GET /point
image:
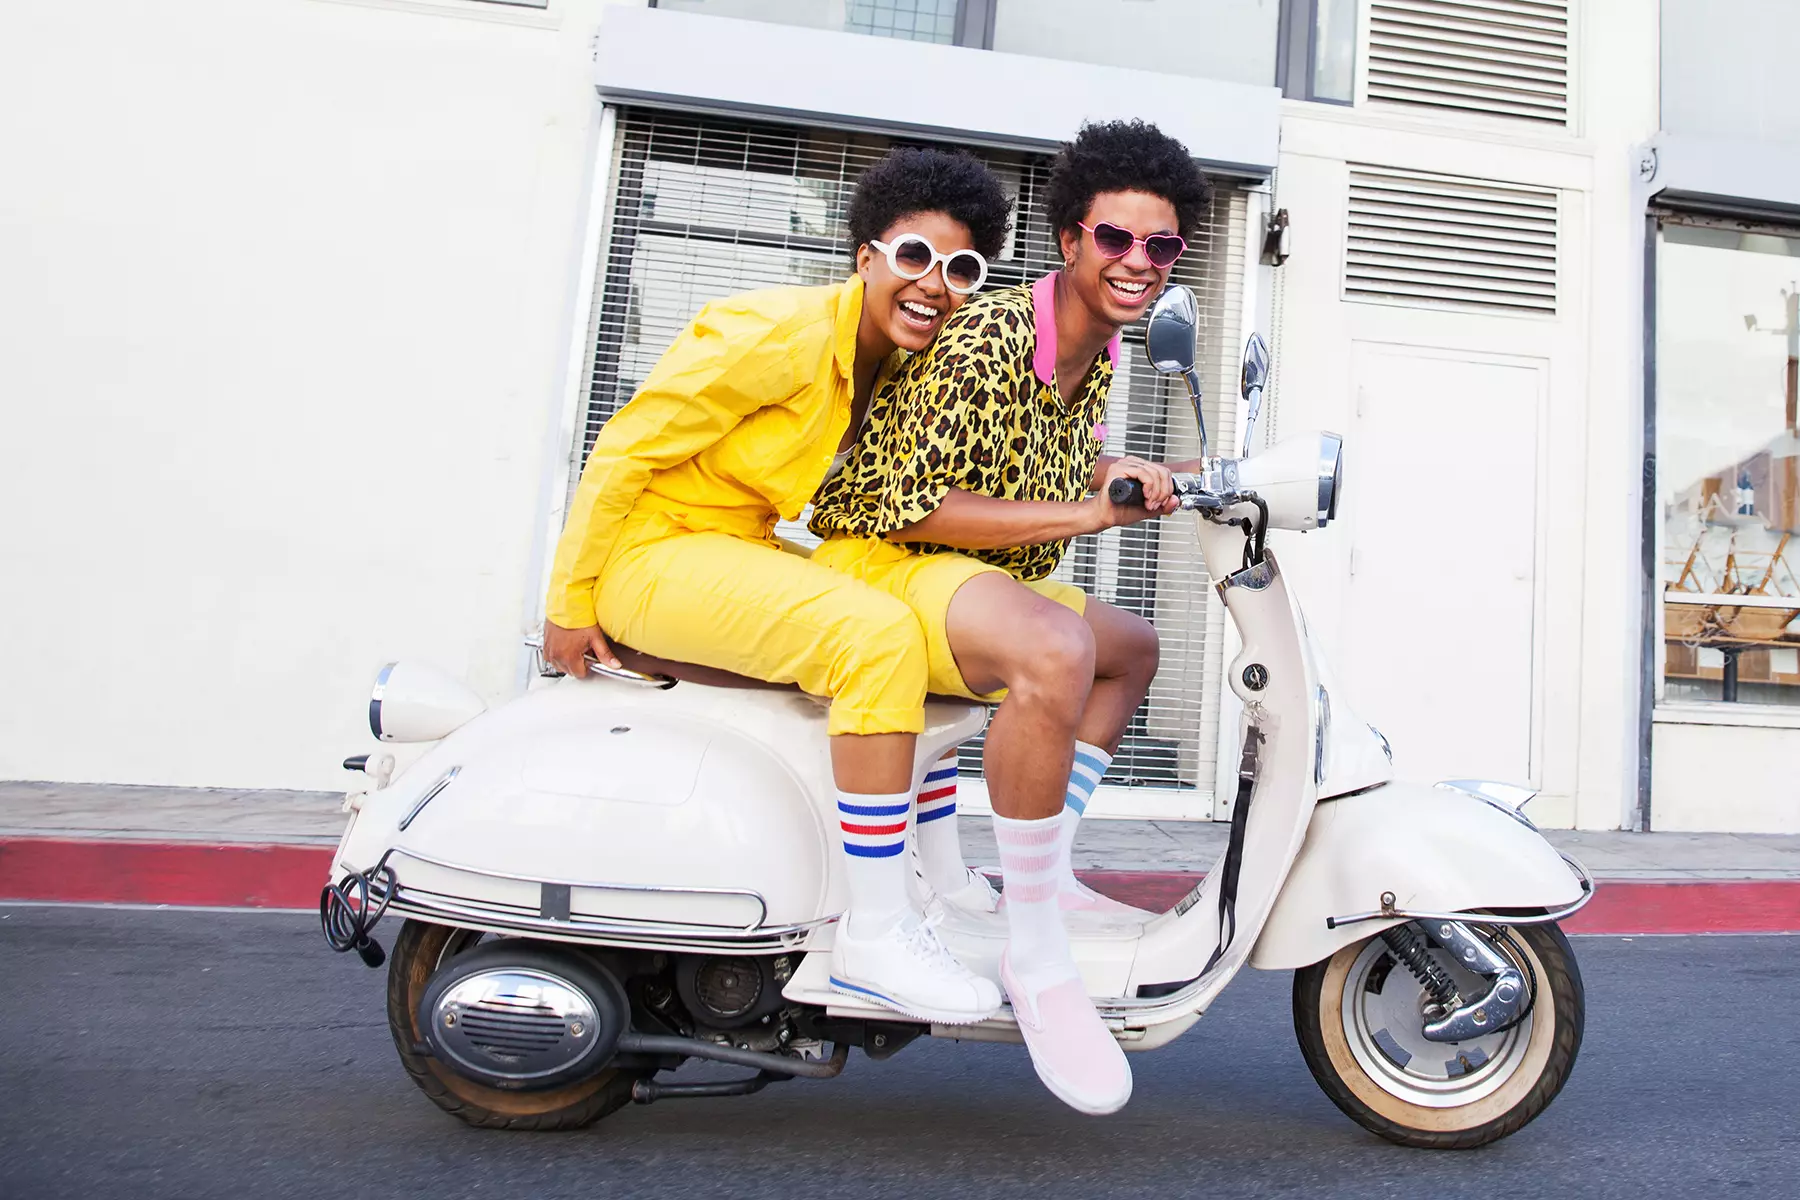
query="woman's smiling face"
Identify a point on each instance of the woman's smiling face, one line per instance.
(909, 312)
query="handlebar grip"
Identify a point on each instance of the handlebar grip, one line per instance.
(1126, 491)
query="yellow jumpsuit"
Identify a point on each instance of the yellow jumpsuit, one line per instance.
(669, 545)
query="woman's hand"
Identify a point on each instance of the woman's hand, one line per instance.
(1159, 493)
(567, 649)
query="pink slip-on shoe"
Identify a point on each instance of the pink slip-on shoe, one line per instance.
(1093, 913)
(1071, 1048)
(1082, 898)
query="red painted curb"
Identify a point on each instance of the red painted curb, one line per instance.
(1623, 907)
(105, 871)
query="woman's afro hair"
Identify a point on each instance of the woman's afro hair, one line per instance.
(911, 180)
(1124, 156)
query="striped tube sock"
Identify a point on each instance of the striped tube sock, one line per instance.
(940, 846)
(1033, 858)
(874, 832)
(1091, 763)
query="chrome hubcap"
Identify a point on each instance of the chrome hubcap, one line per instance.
(1383, 1013)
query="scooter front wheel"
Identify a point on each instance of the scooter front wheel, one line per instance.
(418, 951)
(1359, 1016)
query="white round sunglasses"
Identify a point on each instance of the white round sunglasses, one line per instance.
(912, 256)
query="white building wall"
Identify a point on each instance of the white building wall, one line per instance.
(289, 291)
(1618, 86)
(1577, 649)
(286, 289)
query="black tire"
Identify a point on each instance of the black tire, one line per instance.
(1542, 1049)
(417, 952)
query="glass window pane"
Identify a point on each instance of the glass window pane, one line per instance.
(1334, 51)
(1231, 40)
(910, 20)
(1728, 463)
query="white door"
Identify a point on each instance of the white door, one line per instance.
(1441, 491)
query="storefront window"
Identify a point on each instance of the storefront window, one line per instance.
(1728, 461)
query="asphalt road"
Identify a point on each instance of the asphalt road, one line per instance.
(151, 1054)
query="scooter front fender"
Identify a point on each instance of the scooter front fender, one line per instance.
(1436, 850)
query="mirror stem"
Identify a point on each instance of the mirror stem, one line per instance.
(1193, 385)
(1253, 403)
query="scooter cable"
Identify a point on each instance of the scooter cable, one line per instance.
(351, 908)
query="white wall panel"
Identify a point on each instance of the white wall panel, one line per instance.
(285, 288)
(1718, 776)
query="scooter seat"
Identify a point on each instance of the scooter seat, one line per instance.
(650, 664)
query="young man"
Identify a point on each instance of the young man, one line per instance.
(980, 462)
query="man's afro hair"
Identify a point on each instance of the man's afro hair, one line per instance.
(1124, 156)
(912, 180)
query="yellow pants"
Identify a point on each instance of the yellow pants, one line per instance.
(742, 604)
(926, 582)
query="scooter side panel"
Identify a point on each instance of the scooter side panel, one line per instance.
(1436, 850)
(648, 803)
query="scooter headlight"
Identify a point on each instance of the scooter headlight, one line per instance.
(1297, 478)
(1331, 474)
(416, 702)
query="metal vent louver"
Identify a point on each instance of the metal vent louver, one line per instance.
(511, 1029)
(1499, 58)
(1450, 241)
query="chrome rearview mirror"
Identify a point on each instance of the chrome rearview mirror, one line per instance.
(1256, 365)
(1255, 374)
(1169, 341)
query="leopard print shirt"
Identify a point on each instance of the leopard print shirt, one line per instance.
(971, 412)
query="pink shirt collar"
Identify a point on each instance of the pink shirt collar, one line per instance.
(1043, 316)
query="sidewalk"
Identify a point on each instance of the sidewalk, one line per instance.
(116, 843)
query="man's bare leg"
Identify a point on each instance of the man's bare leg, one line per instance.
(1003, 634)
(1125, 661)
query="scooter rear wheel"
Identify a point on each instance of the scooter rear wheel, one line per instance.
(1357, 1016)
(418, 951)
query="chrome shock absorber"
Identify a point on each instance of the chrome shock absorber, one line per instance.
(1411, 948)
(1449, 1017)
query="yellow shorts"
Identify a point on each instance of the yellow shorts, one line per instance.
(927, 582)
(744, 604)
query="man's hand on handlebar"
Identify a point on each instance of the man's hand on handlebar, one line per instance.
(567, 649)
(1154, 483)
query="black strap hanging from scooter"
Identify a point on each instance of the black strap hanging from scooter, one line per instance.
(1234, 849)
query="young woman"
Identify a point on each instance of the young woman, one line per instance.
(981, 461)
(670, 545)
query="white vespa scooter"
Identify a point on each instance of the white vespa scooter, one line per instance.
(607, 877)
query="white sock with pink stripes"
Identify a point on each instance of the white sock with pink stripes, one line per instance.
(1034, 857)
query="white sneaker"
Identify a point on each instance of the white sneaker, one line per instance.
(976, 897)
(907, 969)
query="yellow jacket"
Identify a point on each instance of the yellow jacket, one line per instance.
(738, 422)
